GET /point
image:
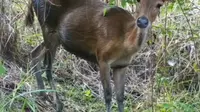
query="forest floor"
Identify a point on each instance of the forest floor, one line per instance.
(163, 77)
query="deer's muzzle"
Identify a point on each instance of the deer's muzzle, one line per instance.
(142, 22)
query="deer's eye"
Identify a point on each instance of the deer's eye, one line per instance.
(158, 6)
(138, 0)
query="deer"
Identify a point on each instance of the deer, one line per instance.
(93, 30)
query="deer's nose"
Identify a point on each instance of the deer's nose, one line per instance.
(142, 22)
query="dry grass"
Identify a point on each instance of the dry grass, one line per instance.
(170, 63)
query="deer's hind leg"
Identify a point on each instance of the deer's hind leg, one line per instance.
(51, 43)
(37, 55)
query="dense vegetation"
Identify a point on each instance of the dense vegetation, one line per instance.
(163, 77)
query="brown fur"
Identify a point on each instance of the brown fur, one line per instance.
(96, 32)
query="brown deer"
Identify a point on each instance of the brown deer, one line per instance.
(94, 31)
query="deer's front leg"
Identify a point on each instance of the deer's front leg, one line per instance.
(105, 79)
(119, 81)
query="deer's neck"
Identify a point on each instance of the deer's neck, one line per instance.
(135, 38)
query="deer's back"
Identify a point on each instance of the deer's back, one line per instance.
(87, 31)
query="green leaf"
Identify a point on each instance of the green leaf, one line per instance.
(196, 67)
(112, 2)
(105, 11)
(88, 93)
(123, 3)
(2, 69)
(171, 7)
(166, 106)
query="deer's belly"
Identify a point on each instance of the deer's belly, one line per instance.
(79, 49)
(76, 50)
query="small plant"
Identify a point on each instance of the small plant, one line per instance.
(2, 69)
(88, 95)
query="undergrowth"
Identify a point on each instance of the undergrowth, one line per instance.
(164, 76)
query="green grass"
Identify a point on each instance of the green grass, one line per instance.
(176, 87)
(75, 97)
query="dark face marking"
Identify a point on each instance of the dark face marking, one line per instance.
(141, 37)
